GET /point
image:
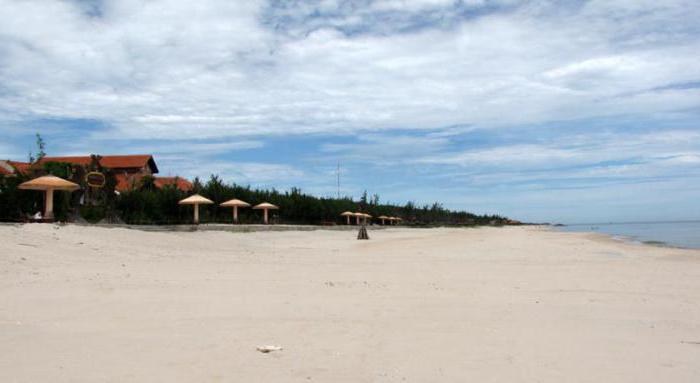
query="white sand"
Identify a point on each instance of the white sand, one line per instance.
(86, 304)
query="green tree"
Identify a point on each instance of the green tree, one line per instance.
(40, 146)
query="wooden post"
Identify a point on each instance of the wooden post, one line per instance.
(265, 216)
(235, 214)
(196, 213)
(348, 219)
(362, 234)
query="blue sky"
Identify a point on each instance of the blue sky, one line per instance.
(562, 111)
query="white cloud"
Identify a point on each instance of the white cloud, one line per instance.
(576, 161)
(576, 150)
(595, 66)
(212, 68)
(412, 5)
(194, 81)
(385, 149)
(244, 173)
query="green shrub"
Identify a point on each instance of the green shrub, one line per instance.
(93, 214)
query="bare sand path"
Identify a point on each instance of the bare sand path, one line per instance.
(517, 304)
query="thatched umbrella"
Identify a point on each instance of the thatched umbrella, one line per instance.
(235, 203)
(347, 215)
(48, 184)
(358, 215)
(265, 206)
(367, 216)
(383, 218)
(196, 200)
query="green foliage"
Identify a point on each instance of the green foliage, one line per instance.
(160, 207)
(20, 205)
(17, 205)
(59, 169)
(148, 183)
(147, 206)
(62, 206)
(150, 205)
(93, 214)
(40, 146)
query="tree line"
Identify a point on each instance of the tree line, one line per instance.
(148, 204)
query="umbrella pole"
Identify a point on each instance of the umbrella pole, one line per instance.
(265, 216)
(48, 213)
(196, 213)
(235, 214)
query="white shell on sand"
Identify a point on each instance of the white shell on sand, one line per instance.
(266, 349)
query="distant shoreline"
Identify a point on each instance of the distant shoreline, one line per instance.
(644, 233)
(628, 223)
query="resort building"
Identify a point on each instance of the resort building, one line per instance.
(128, 169)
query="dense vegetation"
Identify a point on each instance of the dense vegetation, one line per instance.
(150, 205)
(86, 204)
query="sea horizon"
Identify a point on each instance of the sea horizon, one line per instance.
(630, 222)
(680, 233)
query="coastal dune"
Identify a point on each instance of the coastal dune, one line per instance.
(95, 304)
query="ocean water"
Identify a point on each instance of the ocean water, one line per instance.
(679, 234)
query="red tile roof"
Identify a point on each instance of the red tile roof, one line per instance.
(179, 182)
(12, 167)
(112, 162)
(6, 169)
(127, 182)
(20, 166)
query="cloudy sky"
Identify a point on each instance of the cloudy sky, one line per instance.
(568, 111)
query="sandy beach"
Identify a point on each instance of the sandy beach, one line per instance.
(515, 304)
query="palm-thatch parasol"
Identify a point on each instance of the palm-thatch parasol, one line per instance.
(235, 203)
(265, 206)
(48, 184)
(383, 218)
(196, 200)
(347, 215)
(358, 215)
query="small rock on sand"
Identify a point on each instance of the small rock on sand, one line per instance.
(267, 349)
